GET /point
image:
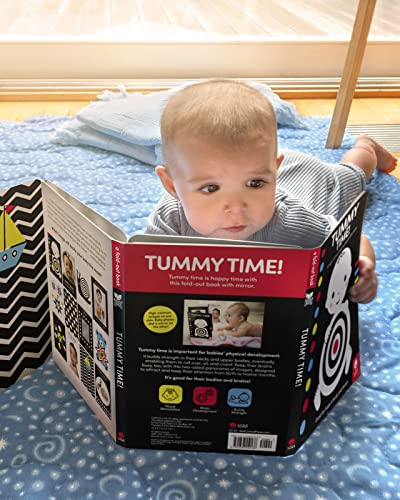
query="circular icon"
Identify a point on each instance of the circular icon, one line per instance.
(160, 319)
(84, 288)
(336, 354)
(201, 332)
(102, 391)
(56, 266)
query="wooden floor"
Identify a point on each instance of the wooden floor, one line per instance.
(192, 18)
(363, 111)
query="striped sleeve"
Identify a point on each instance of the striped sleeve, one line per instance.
(325, 188)
(168, 218)
(293, 224)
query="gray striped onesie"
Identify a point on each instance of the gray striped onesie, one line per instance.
(310, 197)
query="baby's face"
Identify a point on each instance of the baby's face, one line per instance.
(68, 267)
(215, 315)
(73, 355)
(226, 192)
(233, 317)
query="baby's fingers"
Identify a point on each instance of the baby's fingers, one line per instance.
(367, 267)
(365, 290)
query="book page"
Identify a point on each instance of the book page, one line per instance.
(24, 327)
(80, 292)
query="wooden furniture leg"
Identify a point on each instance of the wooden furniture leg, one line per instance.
(351, 71)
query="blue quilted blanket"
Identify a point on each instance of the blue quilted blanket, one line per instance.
(53, 447)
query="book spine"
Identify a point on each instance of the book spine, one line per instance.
(119, 342)
(300, 381)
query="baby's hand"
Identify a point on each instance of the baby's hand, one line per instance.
(366, 288)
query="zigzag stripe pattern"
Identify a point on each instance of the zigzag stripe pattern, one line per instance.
(24, 308)
(27, 360)
(29, 289)
(24, 330)
(22, 347)
(29, 281)
(24, 191)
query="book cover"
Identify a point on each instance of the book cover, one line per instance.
(329, 357)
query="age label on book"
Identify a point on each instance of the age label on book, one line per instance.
(160, 319)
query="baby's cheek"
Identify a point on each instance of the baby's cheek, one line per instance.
(201, 220)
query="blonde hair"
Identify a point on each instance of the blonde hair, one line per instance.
(223, 111)
(242, 309)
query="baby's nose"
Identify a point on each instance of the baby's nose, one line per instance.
(235, 205)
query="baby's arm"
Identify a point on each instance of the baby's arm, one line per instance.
(247, 330)
(166, 218)
(366, 288)
(250, 330)
(222, 328)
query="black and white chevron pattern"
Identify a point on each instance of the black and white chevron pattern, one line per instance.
(24, 308)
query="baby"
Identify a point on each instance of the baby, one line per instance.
(68, 267)
(225, 179)
(216, 318)
(99, 310)
(73, 358)
(236, 322)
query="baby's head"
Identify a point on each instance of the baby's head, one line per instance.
(237, 313)
(220, 157)
(215, 314)
(68, 266)
(73, 354)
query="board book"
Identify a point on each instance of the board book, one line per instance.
(174, 342)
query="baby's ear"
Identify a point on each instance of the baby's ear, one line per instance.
(166, 180)
(279, 160)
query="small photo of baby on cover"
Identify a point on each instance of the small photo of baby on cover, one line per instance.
(68, 263)
(99, 304)
(223, 323)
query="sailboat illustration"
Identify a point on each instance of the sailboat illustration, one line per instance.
(12, 243)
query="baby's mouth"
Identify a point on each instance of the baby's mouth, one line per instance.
(235, 229)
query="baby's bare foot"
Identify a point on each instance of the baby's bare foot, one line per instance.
(386, 162)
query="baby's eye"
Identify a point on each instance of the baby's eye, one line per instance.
(255, 183)
(209, 188)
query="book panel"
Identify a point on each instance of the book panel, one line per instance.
(24, 310)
